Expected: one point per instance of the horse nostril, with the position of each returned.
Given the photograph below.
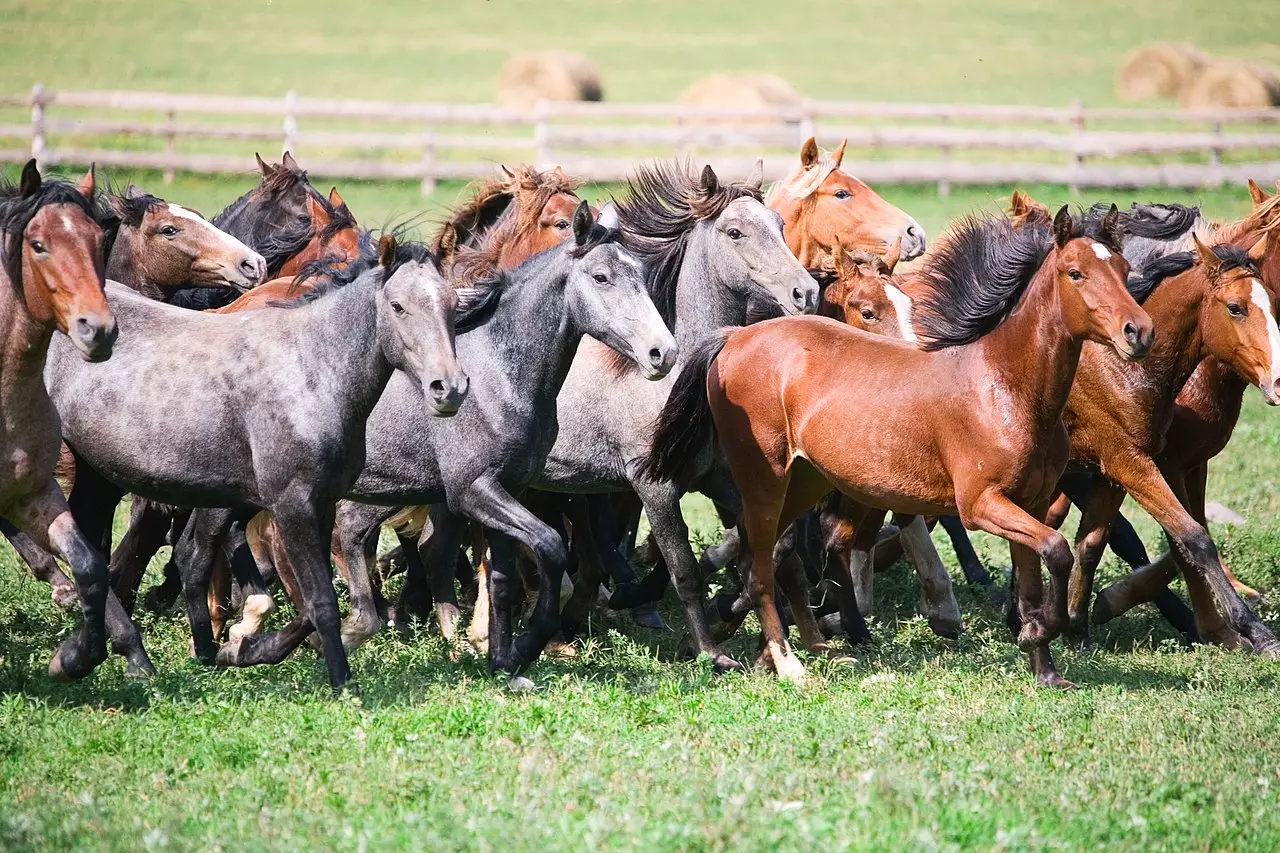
(655, 356)
(797, 296)
(437, 389)
(249, 266)
(913, 231)
(1131, 333)
(83, 327)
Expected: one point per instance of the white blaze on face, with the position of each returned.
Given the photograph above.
(1103, 253)
(1262, 299)
(902, 305)
(229, 243)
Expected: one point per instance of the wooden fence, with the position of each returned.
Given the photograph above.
(888, 143)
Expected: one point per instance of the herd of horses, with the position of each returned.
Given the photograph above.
(509, 397)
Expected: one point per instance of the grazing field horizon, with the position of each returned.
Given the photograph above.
(913, 742)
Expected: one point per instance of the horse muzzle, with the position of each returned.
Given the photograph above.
(445, 395)
(94, 335)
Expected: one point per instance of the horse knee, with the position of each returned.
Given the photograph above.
(1199, 548)
(1057, 555)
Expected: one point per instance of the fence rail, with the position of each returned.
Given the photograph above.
(1074, 145)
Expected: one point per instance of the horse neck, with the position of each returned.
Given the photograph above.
(234, 220)
(796, 214)
(123, 266)
(705, 301)
(1222, 389)
(348, 315)
(24, 343)
(1033, 354)
(1174, 308)
(531, 332)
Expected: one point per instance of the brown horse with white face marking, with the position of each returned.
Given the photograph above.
(970, 422)
(52, 280)
(821, 204)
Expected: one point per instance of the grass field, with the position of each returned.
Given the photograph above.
(920, 743)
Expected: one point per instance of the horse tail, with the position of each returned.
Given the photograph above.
(684, 426)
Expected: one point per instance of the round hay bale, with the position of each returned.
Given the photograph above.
(554, 75)
(743, 91)
(1232, 83)
(1158, 71)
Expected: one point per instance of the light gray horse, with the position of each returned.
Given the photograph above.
(260, 410)
(710, 249)
(479, 461)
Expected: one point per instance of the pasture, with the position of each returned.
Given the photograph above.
(919, 742)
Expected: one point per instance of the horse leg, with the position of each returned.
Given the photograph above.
(849, 541)
(478, 630)
(662, 505)
(1030, 541)
(148, 526)
(359, 552)
(1195, 480)
(219, 595)
(603, 529)
(591, 571)
(438, 552)
(249, 551)
(195, 553)
(970, 564)
(794, 583)
(43, 565)
(861, 569)
(503, 595)
(760, 526)
(1101, 505)
(937, 601)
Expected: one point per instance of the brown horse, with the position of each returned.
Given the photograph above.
(52, 280)
(1208, 407)
(970, 422)
(335, 237)
(820, 203)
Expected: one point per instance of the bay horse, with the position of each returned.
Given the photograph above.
(53, 274)
(215, 430)
(969, 422)
(475, 465)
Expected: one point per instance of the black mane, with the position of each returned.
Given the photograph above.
(664, 202)
(1162, 222)
(334, 274)
(17, 212)
(1166, 267)
(282, 244)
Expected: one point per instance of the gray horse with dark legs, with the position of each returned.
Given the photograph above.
(709, 248)
(517, 347)
(261, 410)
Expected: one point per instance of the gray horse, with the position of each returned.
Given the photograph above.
(483, 458)
(711, 249)
(261, 410)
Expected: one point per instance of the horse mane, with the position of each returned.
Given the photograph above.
(665, 200)
(1257, 219)
(340, 218)
(334, 274)
(1175, 263)
(488, 218)
(17, 212)
(278, 247)
(975, 279)
(129, 204)
(803, 183)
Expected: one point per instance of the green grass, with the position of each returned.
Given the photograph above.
(920, 743)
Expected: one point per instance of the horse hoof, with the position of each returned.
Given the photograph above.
(520, 684)
(647, 616)
(1078, 638)
(1245, 591)
(64, 597)
(1054, 681)
(1102, 612)
(230, 654)
(948, 629)
(722, 663)
(138, 665)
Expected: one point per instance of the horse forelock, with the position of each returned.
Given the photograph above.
(803, 183)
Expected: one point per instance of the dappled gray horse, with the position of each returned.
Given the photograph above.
(517, 351)
(261, 410)
(709, 248)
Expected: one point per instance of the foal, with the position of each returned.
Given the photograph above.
(970, 422)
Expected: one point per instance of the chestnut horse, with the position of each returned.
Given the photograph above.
(53, 277)
(968, 422)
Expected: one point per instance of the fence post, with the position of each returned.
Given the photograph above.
(37, 125)
(428, 185)
(541, 136)
(1076, 159)
(168, 146)
(944, 157)
(1215, 156)
(807, 123)
(290, 123)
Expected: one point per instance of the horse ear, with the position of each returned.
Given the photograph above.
(1207, 257)
(837, 156)
(335, 200)
(1062, 227)
(582, 223)
(386, 251)
(86, 184)
(263, 166)
(30, 183)
(894, 254)
(291, 164)
(809, 152)
(755, 178)
(319, 216)
(1017, 205)
(609, 216)
(839, 259)
(710, 184)
(1256, 193)
(1259, 249)
(1111, 227)
(448, 243)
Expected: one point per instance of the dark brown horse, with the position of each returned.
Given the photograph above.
(969, 423)
(51, 281)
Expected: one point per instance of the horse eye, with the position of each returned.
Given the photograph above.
(843, 194)
(868, 315)
(562, 224)
(1235, 309)
(168, 231)
(397, 307)
(1075, 275)
(600, 277)
(37, 247)
(734, 234)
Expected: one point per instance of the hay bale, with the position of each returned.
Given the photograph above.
(1158, 71)
(554, 75)
(1232, 83)
(740, 91)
